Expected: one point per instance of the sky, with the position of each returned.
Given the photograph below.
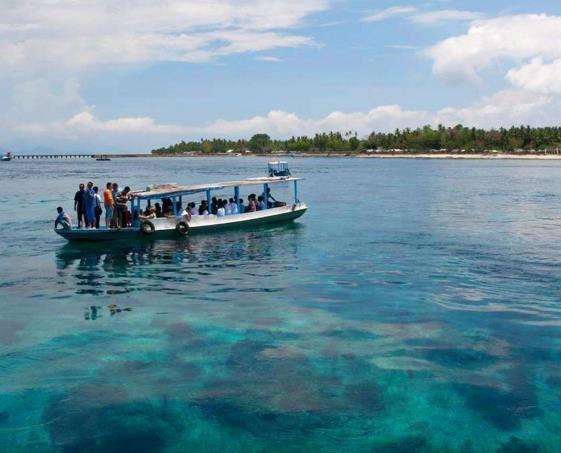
(133, 75)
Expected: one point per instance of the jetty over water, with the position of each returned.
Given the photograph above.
(75, 156)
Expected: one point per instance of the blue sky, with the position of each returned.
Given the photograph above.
(93, 76)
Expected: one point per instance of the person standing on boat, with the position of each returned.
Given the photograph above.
(270, 203)
(63, 219)
(121, 207)
(97, 209)
(90, 206)
(80, 205)
(108, 204)
(114, 193)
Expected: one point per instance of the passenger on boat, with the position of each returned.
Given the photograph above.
(97, 208)
(186, 214)
(80, 204)
(214, 206)
(233, 207)
(121, 207)
(114, 193)
(169, 212)
(158, 209)
(221, 212)
(271, 201)
(108, 204)
(193, 209)
(251, 204)
(166, 204)
(242, 207)
(259, 203)
(149, 214)
(127, 216)
(203, 208)
(90, 206)
(63, 219)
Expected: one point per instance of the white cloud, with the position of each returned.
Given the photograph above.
(538, 76)
(505, 108)
(512, 38)
(34, 34)
(446, 15)
(388, 13)
(271, 59)
(401, 46)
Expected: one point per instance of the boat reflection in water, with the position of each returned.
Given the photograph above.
(197, 265)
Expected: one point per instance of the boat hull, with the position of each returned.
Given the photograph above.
(165, 228)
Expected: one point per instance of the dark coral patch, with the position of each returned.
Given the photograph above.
(515, 445)
(367, 396)
(86, 426)
(409, 444)
(504, 410)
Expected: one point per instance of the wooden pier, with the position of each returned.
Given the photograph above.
(75, 156)
(53, 156)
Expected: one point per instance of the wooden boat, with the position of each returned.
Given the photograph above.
(178, 226)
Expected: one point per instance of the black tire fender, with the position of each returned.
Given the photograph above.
(147, 227)
(182, 228)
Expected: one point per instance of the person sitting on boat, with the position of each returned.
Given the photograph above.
(252, 204)
(221, 212)
(241, 209)
(193, 209)
(259, 203)
(169, 212)
(186, 214)
(203, 208)
(63, 219)
(149, 214)
(214, 205)
(232, 207)
(158, 208)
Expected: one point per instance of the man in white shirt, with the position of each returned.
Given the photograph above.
(233, 207)
(222, 209)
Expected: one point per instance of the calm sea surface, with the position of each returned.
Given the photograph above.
(415, 307)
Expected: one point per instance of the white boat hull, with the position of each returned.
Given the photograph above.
(165, 227)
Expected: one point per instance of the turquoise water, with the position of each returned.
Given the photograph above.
(415, 307)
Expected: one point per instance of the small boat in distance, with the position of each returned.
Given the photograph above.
(6, 157)
(176, 226)
(103, 157)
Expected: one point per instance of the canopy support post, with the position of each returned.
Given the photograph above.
(265, 196)
(295, 191)
(208, 201)
(237, 196)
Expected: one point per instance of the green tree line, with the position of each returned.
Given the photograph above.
(425, 139)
